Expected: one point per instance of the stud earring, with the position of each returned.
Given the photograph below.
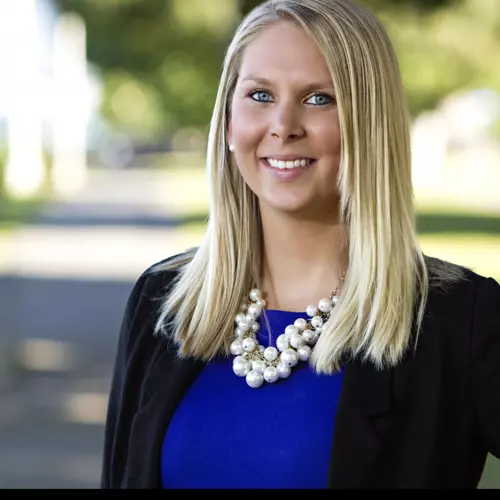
(231, 148)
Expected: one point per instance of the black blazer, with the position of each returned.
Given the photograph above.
(428, 423)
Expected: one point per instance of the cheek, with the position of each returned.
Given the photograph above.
(326, 137)
(245, 127)
(245, 138)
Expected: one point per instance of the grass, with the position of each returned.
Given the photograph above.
(469, 239)
(479, 252)
(457, 222)
(14, 212)
(491, 474)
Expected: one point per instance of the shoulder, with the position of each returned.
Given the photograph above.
(449, 278)
(145, 298)
(155, 280)
(459, 290)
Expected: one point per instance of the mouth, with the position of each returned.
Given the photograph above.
(292, 164)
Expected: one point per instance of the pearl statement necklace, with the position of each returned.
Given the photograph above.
(258, 364)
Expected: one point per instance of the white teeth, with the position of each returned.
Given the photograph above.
(288, 164)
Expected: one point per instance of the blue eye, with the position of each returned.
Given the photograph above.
(321, 99)
(260, 96)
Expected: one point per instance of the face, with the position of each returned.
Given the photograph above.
(284, 123)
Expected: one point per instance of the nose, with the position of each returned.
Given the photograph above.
(286, 123)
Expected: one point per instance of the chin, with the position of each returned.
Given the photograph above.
(287, 206)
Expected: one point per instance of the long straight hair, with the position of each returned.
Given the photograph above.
(384, 294)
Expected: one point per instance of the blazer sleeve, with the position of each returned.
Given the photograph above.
(115, 413)
(485, 345)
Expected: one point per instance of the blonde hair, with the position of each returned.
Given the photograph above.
(386, 284)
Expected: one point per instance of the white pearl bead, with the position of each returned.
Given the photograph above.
(261, 303)
(289, 357)
(242, 367)
(255, 294)
(271, 374)
(244, 324)
(240, 370)
(335, 299)
(271, 353)
(239, 332)
(307, 335)
(261, 348)
(250, 320)
(283, 370)
(282, 343)
(239, 317)
(317, 322)
(236, 348)
(253, 311)
(296, 340)
(259, 366)
(300, 323)
(315, 338)
(319, 330)
(325, 305)
(248, 344)
(310, 336)
(304, 352)
(290, 330)
(255, 379)
(255, 327)
(311, 311)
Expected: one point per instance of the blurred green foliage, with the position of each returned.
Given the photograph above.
(442, 50)
(14, 211)
(161, 60)
(418, 5)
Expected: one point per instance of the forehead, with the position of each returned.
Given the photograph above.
(283, 49)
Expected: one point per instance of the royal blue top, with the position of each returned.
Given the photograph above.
(225, 434)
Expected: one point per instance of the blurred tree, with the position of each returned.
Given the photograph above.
(445, 50)
(418, 5)
(161, 60)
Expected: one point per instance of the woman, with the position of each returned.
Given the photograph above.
(308, 342)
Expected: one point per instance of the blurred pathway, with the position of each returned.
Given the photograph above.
(121, 222)
(64, 280)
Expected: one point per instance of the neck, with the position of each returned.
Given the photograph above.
(303, 260)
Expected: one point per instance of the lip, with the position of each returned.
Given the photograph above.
(287, 174)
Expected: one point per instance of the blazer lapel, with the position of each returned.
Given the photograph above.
(164, 387)
(365, 396)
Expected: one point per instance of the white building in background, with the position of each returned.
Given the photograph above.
(456, 151)
(46, 97)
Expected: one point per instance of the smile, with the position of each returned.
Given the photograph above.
(289, 164)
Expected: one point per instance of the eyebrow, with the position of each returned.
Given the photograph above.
(308, 87)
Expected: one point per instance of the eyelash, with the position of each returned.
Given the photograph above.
(256, 91)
